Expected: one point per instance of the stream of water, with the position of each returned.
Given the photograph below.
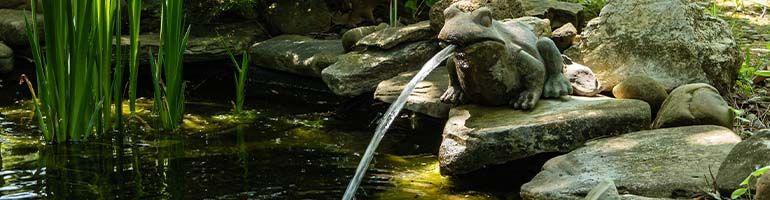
(390, 115)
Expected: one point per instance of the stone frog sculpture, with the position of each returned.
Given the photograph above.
(499, 63)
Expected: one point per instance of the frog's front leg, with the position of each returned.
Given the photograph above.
(555, 84)
(533, 73)
(454, 93)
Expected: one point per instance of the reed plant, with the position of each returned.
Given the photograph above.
(169, 91)
(134, 16)
(393, 12)
(240, 80)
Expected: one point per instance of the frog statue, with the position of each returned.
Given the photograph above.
(499, 63)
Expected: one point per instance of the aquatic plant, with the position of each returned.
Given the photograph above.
(134, 15)
(240, 80)
(169, 92)
(74, 82)
(393, 12)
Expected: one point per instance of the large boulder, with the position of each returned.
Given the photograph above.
(477, 136)
(541, 27)
(672, 41)
(559, 12)
(643, 88)
(694, 104)
(206, 43)
(390, 37)
(356, 73)
(501, 9)
(6, 58)
(296, 54)
(426, 97)
(747, 156)
(662, 163)
(13, 30)
(298, 17)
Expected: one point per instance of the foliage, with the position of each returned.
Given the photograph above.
(74, 75)
(169, 92)
(393, 13)
(745, 188)
(592, 8)
(417, 6)
(134, 16)
(240, 80)
(751, 68)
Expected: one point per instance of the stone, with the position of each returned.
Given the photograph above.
(298, 17)
(559, 12)
(390, 37)
(205, 43)
(672, 41)
(694, 104)
(541, 27)
(13, 30)
(6, 58)
(746, 157)
(643, 88)
(11, 4)
(564, 36)
(661, 163)
(426, 97)
(763, 187)
(296, 54)
(501, 9)
(356, 73)
(475, 136)
(582, 79)
(352, 36)
(605, 190)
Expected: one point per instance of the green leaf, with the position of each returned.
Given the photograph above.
(762, 73)
(760, 171)
(738, 193)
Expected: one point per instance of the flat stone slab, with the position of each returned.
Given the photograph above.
(661, 163)
(477, 136)
(296, 54)
(426, 97)
(390, 37)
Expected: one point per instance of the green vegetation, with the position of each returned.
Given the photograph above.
(169, 92)
(74, 75)
(393, 13)
(592, 8)
(417, 6)
(134, 16)
(745, 188)
(240, 80)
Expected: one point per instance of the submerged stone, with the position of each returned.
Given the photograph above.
(6, 58)
(477, 136)
(426, 97)
(296, 54)
(356, 73)
(662, 163)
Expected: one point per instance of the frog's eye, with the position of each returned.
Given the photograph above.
(483, 16)
(451, 11)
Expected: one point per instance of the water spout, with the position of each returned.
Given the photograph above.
(390, 115)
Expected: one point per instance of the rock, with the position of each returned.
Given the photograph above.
(501, 9)
(559, 12)
(643, 88)
(672, 41)
(11, 4)
(356, 73)
(763, 187)
(298, 17)
(477, 136)
(605, 190)
(582, 79)
(662, 163)
(541, 27)
(352, 36)
(426, 96)
(564, 36)
(6, 58)
(390, 37)
(694, 104)
(206, 43)
(296, 54)
(744, 158)
(13, 30)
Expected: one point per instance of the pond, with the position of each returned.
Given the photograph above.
(301, 144)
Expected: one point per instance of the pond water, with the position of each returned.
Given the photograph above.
(302, 144)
